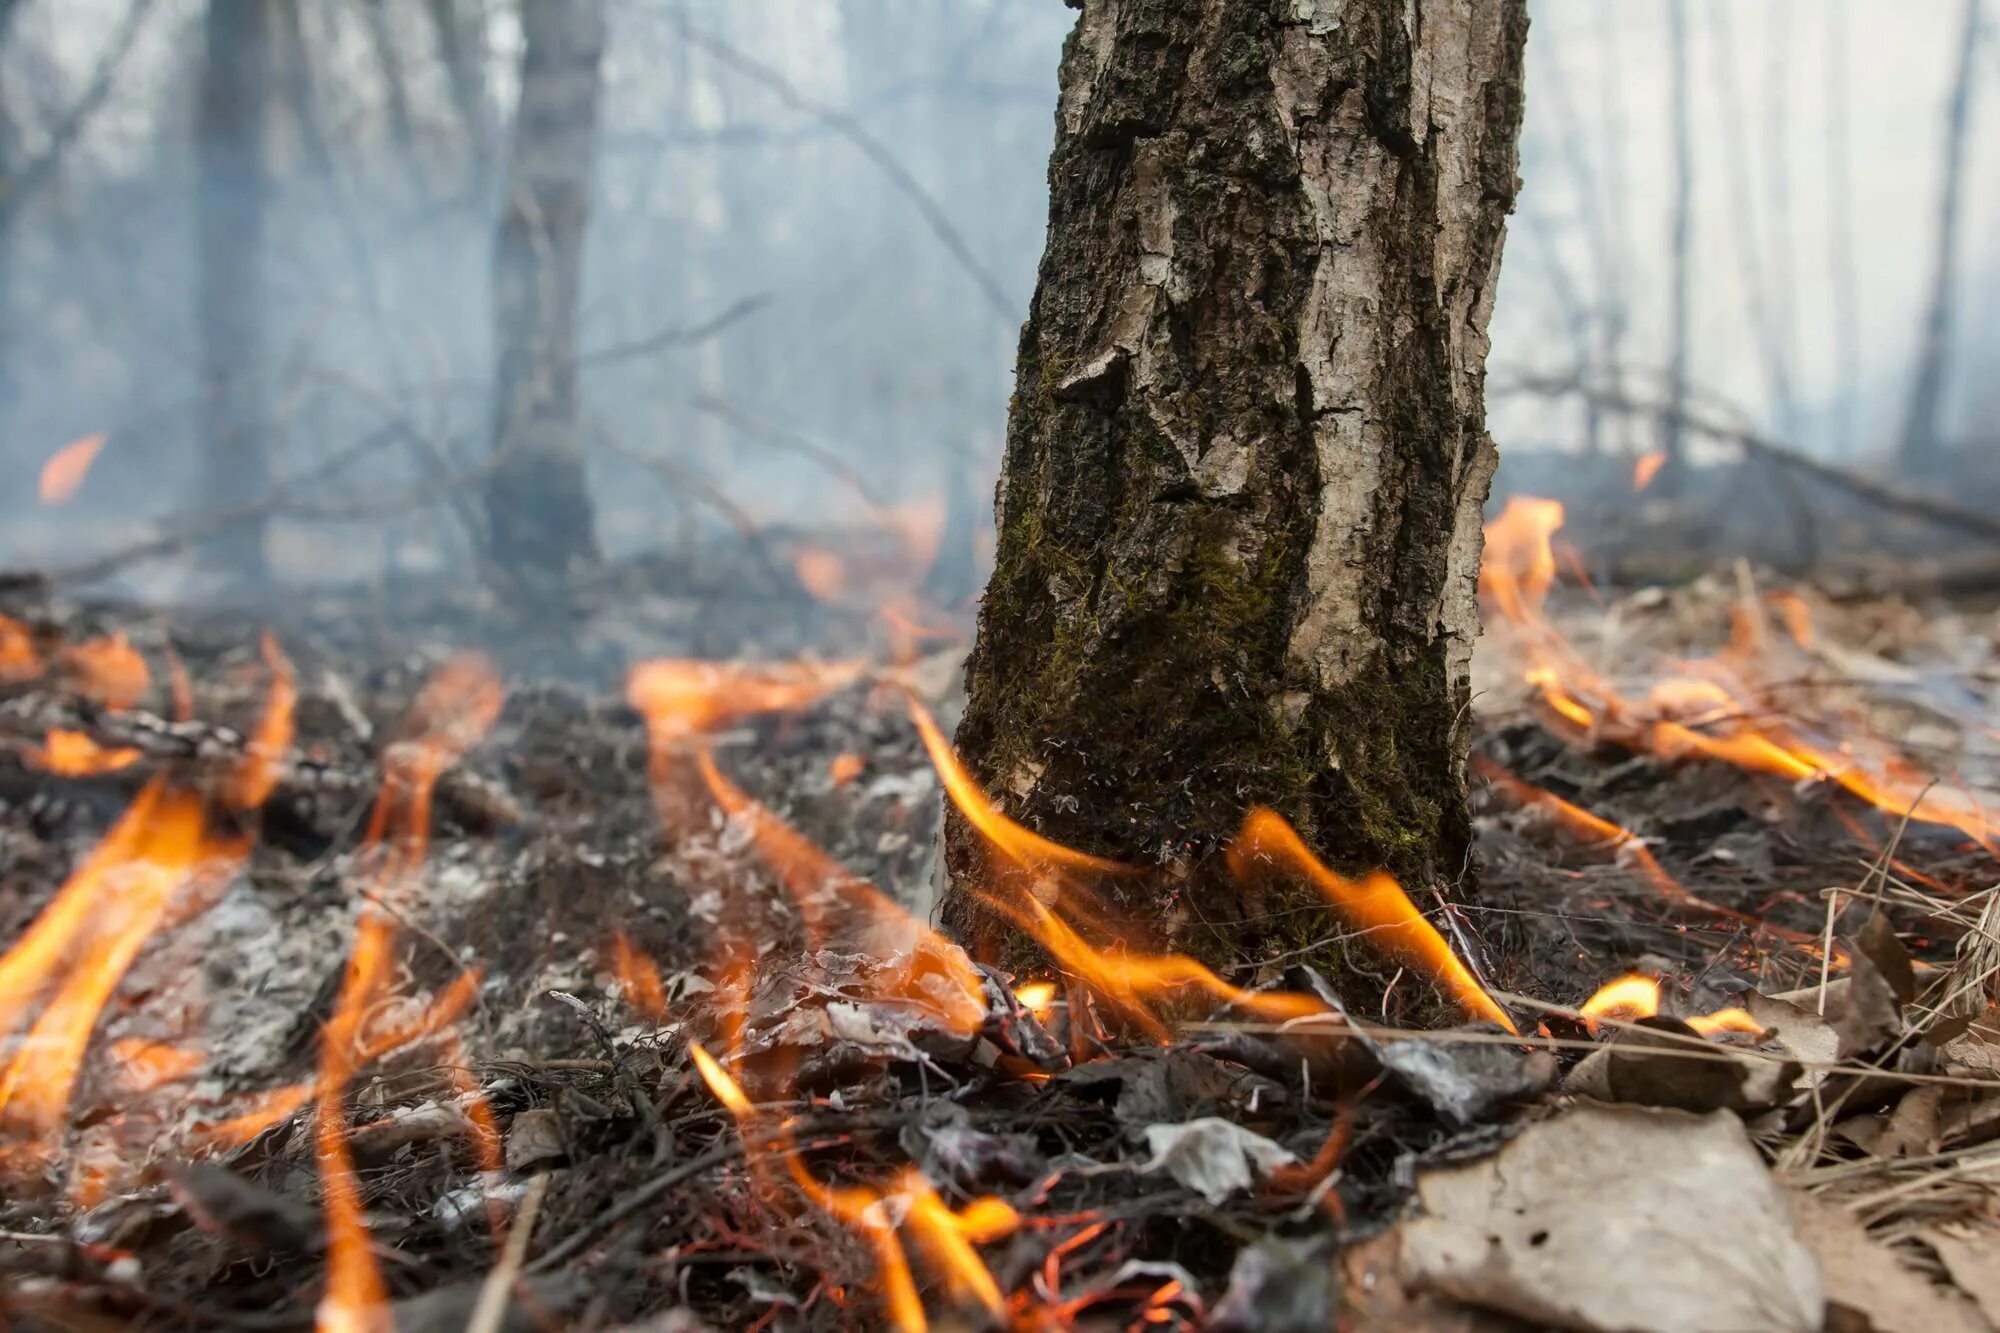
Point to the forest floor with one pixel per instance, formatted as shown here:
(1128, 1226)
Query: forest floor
(1824, 1137)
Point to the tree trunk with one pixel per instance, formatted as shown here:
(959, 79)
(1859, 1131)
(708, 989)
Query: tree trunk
(1239, 511)
(460, 38)
(1672, 435)
(1922, 447)
(538, 510)
(235, 91)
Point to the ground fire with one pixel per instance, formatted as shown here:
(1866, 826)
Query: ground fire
(590, 821)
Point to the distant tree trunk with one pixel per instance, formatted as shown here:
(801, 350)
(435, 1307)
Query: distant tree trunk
(1923, 446)
(1672, 433)
(1616, 315)
(10, 159)
(1239, 511)
(538, 510)
(235, 92)
(460, 38)
(1840, 207)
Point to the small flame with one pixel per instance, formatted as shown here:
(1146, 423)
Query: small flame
(945, 1237)
(682, 698)
(822, 573)
(264, 756)
(1795, 616)
(98, 922)
(262, 1111)
(1713, 709)
(641, 980)
(1632, 996)
(1520, 563)
(1646, 467)
(845, 767)
(109, 670)
(1028, 851)
(1623, 842)
(1038, 998)
(144, 1066)
(63, 473)
(1141, 985)
(457, 706)
(18, 659)
(837, 905)
(1726, 1020)
(1374, 903)
(72, 754)
(1635, 995)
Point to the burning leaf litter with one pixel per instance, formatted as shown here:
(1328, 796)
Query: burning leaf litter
(772, 1095)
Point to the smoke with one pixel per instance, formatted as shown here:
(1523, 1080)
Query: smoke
(813, 234)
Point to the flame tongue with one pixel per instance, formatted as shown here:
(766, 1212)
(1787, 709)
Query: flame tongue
(97, 924)
(946, 1237)
(1721, 708)
(1136, 984)
(1374, 904)
(454, 709)
(63, 473)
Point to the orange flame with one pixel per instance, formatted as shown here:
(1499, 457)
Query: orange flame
(1646, 467)
(1038, 998)
(146, 1065)
(1375, 904)
(1725, 1020)
(263, 1110)
(836, 903)
(1636, 995)
(1514, 582)
(109, 670)
(99, 921)
(1795, 616)
(1629, 997)
(682, 698)
(845, 767)
(822, 573)
(1519, 567)
(72, 754)
(264, 757)
(18, 659)
(643, 990)
(455, 708)
(1140, 985)
(1029, 851)
(946, 1237)
(1136, 984)
(63, 473)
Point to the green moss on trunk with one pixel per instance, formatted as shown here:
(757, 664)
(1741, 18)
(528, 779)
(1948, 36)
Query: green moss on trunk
(1242, 456)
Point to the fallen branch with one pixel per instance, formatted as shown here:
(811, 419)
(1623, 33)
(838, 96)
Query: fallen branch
(1881, 494)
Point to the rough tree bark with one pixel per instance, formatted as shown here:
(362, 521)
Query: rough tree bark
(232, 124)
(1922, 448)
(538, 511)
(1239, 512)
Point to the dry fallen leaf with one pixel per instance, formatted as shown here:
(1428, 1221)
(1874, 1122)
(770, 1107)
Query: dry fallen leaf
(1866, 1278)
(1618, 1217)
(1972, 1256)
(1213, 1157)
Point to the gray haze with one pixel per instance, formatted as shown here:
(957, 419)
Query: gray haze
(858, 192)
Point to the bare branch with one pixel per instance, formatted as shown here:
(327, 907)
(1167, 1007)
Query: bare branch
(871, 147)
(17, 189)
(1879, 493)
